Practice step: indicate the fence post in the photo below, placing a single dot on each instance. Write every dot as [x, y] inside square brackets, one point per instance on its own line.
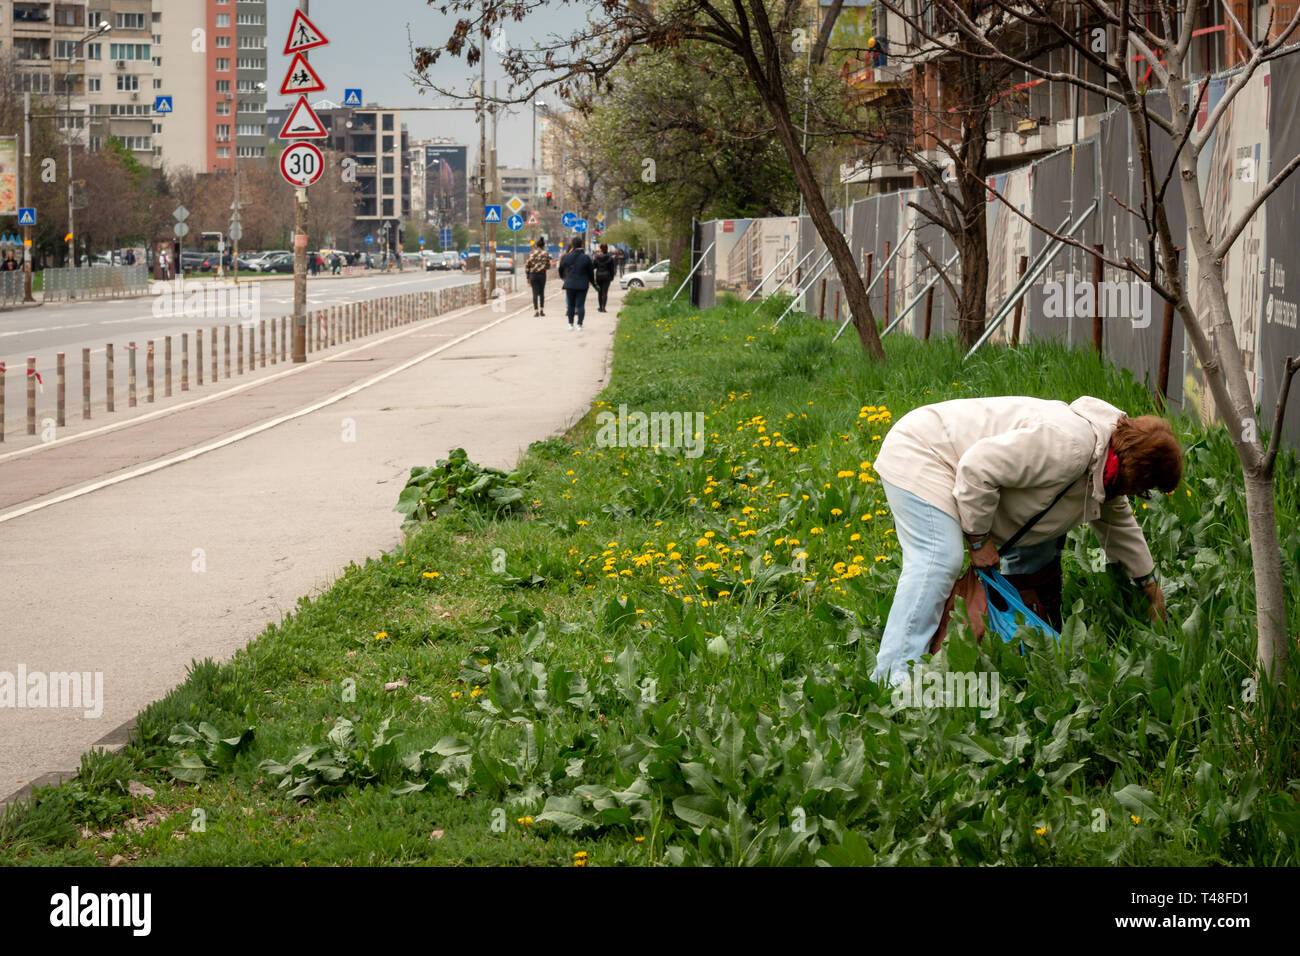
[821, 309]
[198, 356]
[274, 355]
[887, 274]
[185, 361]
[929, 309]
[167, 374]
[2, 402]
[148, 373]
[1020, 303]
[130, 375]
[261, 341]
[213, 350]
[85, 383]
[1097, 342]
[227, 351]
[108, 359]
[239, 347]
[60, 412]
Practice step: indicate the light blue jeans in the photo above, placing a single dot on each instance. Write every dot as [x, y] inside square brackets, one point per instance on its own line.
[933, 553]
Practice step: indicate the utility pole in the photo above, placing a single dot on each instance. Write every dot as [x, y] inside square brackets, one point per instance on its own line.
[496, 194]
[482, 154]
[27, 197]
[299, 258]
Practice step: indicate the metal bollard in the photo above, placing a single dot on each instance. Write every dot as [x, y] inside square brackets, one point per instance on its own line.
[108, 387]
[239, 348]
[274, 356]
[167, 373]
[261, 334]
[215, 377]
[198, 356]
[85, 383]
[227, 351]
[130, 376]
[148, 373]
[31, 395]
[60, 412]
[185, 361]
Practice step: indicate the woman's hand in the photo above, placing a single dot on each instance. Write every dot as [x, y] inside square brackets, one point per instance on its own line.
[985, 557]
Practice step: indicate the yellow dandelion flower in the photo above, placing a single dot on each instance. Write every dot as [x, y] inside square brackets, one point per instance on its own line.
[1042, 830]
[432, 574]
[1135, 819]
[381, 635]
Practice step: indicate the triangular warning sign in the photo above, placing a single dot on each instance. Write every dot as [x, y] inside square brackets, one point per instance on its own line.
[301, 78]
[303, 34]
[303, 123]
[532, 220]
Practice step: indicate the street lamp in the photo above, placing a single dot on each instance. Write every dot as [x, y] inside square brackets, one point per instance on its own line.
[237, 205]
[67, 88]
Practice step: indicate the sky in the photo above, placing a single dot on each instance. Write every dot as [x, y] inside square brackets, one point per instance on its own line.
[370, 48]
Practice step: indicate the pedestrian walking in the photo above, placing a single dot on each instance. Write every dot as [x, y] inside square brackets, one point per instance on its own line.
[535, 268]
[577, 275]
[621, 256]
[336, 264]
[604, 265]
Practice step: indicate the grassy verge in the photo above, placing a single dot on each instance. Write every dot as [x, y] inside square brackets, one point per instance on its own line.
[666, 659]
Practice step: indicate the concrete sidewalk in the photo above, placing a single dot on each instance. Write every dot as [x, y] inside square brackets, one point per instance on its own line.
[219, 518]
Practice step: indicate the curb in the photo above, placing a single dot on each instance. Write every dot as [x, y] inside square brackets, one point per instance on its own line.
[115, 741]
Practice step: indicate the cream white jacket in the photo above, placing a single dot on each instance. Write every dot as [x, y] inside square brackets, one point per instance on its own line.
[994, 463]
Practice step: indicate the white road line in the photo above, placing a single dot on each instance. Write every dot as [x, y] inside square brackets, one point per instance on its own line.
[148, 416]
[256, 429]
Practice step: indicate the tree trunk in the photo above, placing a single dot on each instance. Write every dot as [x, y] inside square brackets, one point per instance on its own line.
[769, 82]
[973, 241]
[1266, 556]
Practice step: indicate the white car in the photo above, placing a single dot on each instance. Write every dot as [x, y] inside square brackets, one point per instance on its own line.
[653, 278]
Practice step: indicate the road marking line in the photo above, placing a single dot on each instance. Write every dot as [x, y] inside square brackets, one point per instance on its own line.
[149, 416]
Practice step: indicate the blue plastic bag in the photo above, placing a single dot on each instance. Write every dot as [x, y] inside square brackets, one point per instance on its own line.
[1005, 604]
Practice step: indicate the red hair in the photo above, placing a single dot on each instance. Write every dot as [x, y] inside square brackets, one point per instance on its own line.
[1149, 454]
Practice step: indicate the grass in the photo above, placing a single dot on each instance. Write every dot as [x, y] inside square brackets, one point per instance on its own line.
[666, 660]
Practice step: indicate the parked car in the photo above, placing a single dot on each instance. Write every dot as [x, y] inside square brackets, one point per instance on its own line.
[505, 263]
[259, 261]
[279, 262]
[196, 261]
[654, 277]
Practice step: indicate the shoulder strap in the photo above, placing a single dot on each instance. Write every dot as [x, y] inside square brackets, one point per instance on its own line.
[1024, 529]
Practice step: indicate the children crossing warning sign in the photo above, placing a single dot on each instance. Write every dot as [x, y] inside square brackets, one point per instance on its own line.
[301, 78]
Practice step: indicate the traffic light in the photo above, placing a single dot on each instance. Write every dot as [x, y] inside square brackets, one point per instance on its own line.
[548, 198]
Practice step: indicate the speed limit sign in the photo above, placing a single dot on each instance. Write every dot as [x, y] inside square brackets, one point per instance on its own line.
[301, 164]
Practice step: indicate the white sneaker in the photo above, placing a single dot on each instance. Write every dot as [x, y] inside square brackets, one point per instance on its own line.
[580, 328]
[570, 326]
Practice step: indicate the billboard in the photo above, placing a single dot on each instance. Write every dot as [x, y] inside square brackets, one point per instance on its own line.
[8, 175]
[447, 184]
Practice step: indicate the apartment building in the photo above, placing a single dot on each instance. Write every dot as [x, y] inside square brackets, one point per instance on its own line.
[211, 60]
[379, 142]
[100, 83]
[912, 81]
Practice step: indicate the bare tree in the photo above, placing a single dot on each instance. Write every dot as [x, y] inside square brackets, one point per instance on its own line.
[763, 36]
[1158, 35]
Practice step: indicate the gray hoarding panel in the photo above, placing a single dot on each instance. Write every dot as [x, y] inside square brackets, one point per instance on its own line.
[1279, 336]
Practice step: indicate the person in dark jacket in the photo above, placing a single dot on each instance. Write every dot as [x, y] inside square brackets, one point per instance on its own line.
[577, 275]
[620, 255]
[605, 265]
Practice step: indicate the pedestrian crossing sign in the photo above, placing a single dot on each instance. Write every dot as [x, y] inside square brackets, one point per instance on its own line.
[492, 214]
[27, 216]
